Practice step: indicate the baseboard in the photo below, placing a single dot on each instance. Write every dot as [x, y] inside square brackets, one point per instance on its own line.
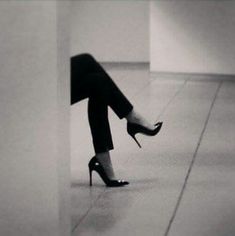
[166, 75]
[192, 76]
[125, 65]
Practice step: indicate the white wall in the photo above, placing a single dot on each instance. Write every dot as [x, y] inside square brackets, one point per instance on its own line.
[34, 120]
[113, 30]
[193, 36]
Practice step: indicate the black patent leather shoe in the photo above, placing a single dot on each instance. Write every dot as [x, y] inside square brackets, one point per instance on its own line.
[94, 165]
[133, 129]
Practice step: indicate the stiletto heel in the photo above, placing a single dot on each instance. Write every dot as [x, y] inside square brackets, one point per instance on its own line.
[95, 165]
[133, 136]
[90, 174]
[133, 129]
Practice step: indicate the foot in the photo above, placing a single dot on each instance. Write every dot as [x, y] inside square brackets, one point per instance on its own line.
[105, 161]
[135, 117]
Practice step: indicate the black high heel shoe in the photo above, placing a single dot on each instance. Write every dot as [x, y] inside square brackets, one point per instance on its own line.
[133, 129]
[94, 165]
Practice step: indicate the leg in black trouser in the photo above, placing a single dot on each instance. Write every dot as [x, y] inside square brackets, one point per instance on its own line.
[89, 80]
[98, 116]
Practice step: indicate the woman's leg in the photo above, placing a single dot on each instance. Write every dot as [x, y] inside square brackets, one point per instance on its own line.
[101, 134]
[89, 80]
[99, 125]
[84, 64]
[103, 93]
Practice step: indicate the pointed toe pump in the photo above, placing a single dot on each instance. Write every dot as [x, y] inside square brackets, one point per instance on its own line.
[133, 129]
[94, 165]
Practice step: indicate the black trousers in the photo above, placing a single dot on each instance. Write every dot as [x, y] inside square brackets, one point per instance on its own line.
[90, 80]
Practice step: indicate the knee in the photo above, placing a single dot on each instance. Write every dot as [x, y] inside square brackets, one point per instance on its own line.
[82, 58]
[87, 57]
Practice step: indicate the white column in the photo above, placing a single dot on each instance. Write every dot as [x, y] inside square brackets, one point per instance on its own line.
[34, 118]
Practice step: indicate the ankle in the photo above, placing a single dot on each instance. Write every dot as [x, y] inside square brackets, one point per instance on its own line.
[135, 117]
[132, 116]
[102, 155]
[105, 161]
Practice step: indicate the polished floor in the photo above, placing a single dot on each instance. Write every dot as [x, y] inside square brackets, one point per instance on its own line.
[182, 182]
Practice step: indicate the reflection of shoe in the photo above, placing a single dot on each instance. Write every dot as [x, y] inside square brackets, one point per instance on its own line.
[95, 165]
[133, 129]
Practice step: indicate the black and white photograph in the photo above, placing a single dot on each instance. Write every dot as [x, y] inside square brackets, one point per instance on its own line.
[117, 117]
